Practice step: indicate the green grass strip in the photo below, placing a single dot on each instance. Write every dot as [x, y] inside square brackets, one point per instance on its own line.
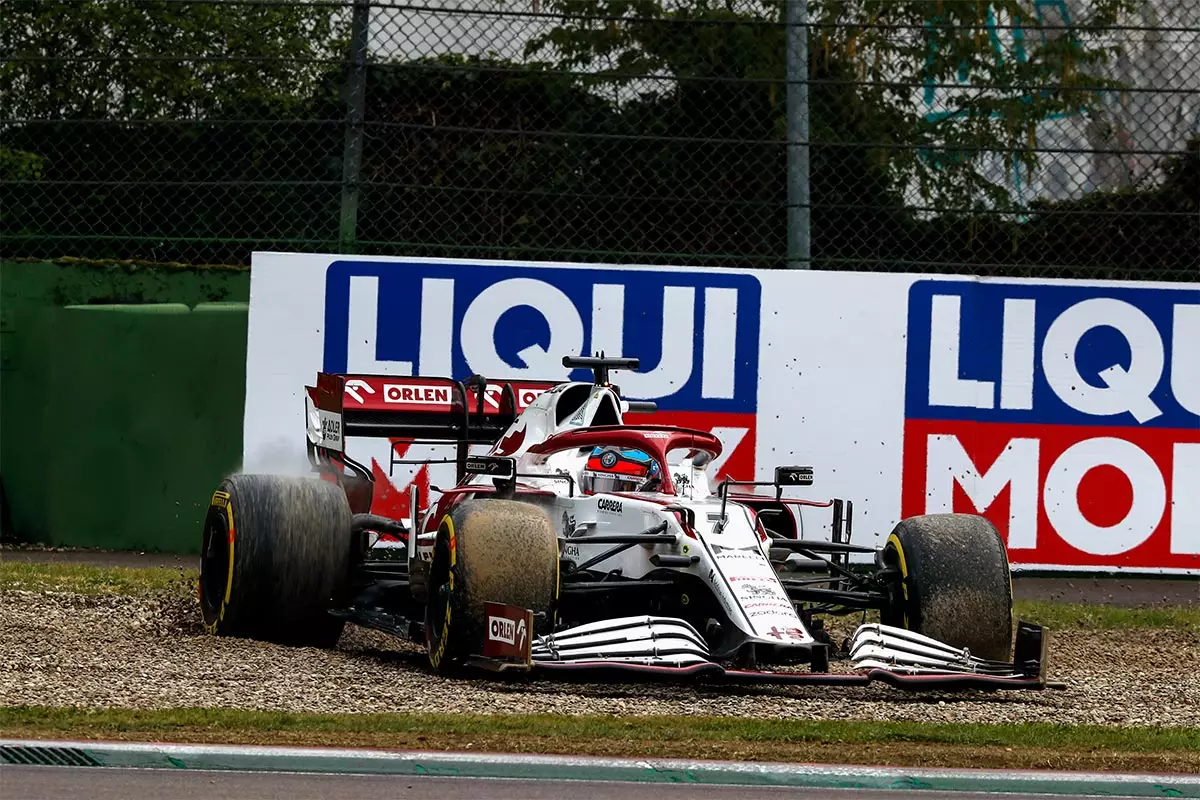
[597, 727]
[1098, 617]
[89, 580]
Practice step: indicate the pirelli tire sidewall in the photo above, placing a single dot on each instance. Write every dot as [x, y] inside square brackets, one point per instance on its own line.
[445, 582]
[275, 559]
[501, 551]
[217, 561]
[955, 582]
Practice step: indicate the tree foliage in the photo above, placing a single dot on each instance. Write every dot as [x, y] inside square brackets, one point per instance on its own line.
[636, 131]
[162, 59]
[138, 127]
[869, 62]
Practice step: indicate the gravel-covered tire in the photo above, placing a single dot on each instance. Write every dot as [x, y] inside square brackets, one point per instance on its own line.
[275, 558]
[956, 585]
[499, 551]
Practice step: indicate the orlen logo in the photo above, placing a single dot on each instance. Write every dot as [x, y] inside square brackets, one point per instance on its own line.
[421, 395]
[696, 333]
[1069, 415]
[502, 630]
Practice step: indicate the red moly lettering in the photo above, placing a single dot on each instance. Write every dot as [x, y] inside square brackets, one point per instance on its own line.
[1098, 496]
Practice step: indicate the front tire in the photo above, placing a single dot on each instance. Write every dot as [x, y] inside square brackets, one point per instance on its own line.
[955, 582]
[499, 551]
[275, 558]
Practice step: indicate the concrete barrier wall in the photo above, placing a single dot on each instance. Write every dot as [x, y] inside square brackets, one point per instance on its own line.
[118, 418]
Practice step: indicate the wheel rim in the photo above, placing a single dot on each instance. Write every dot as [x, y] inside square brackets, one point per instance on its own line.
[437, 601]
[895, 613]
[214, 564]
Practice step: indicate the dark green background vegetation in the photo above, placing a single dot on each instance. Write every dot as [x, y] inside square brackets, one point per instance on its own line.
[198, 131]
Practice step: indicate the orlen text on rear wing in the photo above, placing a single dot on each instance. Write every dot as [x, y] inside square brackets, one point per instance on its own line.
[418, 409]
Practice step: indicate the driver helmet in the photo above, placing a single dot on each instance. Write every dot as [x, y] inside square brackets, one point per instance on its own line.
[620, 469]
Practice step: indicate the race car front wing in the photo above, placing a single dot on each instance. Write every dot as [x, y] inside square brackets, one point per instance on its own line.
[664, 647]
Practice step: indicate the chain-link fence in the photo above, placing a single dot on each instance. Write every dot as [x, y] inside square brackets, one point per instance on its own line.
[1031, 137]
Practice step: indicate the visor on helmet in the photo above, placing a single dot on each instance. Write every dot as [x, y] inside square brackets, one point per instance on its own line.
[619, 469]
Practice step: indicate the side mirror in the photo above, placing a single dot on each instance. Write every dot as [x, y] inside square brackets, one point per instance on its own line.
[793, 476]
[491, 466]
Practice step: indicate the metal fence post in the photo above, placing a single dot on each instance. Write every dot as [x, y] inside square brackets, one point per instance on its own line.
[798, 216]
[352, 150]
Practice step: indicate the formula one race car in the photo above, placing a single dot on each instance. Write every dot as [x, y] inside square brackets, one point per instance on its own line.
[580, 543]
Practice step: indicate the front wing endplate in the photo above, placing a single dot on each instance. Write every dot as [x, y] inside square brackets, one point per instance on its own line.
[616, 671]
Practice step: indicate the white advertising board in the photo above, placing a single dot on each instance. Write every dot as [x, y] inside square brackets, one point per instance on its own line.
[1068, 412]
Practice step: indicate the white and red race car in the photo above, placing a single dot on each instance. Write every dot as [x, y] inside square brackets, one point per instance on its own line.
[581, 543]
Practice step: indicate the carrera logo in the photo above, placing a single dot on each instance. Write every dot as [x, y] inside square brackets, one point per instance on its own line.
[1068, 415]
[611, 506]
[502, 630]
[423, 395]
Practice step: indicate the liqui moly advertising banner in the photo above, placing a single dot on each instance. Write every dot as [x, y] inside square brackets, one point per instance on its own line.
[1067, 412]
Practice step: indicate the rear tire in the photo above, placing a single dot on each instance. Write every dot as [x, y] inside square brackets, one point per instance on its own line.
[499, 551]
[956, 585]
[275, 558]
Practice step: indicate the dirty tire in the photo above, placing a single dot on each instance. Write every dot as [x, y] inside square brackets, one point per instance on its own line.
[957, 586]
[500, 551]
[275, 557]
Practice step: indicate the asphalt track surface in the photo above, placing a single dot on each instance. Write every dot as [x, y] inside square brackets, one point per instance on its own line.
[62, 783]
[1116, 591]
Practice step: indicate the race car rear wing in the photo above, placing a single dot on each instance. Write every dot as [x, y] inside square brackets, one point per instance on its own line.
[416, 409]
[439, 408]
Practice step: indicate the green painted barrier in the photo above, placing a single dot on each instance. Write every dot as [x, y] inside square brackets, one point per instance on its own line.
[134, 414]
[121, 396]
